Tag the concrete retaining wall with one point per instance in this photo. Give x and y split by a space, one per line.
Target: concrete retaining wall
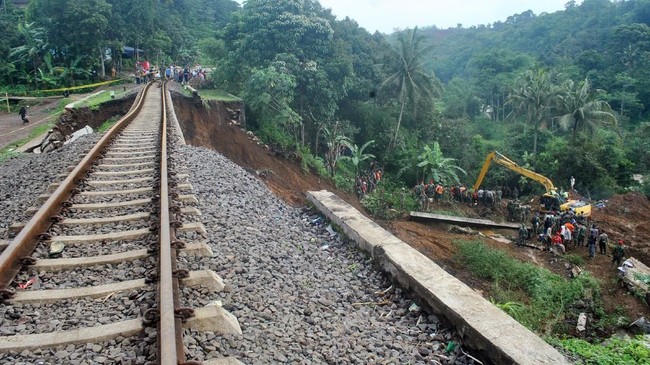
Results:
482 325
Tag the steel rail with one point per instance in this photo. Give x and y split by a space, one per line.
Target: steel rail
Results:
26 241
170 343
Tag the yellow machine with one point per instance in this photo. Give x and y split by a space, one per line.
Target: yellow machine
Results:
550 201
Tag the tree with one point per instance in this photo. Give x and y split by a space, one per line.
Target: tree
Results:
270 92
34 47
532 98
437 166
582 108
408 79
357 154
74 27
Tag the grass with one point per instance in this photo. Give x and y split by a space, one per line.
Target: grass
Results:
544 301
575 259
613 352
213 94
94 102
10 150
107 124
60 105
547 297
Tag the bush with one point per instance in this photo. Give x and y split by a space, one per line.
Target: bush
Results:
546 295
389 201
273 135
575 259
309 162
614 352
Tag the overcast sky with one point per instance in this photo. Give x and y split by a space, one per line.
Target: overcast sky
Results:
386 15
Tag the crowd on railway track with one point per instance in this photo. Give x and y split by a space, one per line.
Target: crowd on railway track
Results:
145 72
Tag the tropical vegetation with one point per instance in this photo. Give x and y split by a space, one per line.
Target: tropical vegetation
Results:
565 94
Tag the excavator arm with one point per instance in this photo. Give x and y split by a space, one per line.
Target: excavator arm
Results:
502 160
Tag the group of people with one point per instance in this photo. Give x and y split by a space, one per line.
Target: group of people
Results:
366 182
427 193
559 230
146 72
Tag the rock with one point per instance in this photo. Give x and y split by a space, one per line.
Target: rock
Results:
640 327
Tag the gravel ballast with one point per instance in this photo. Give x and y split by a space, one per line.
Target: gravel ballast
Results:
301 292
24 177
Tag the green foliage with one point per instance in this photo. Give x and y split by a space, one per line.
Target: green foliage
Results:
311 163
299 69
644 278
408 81
357 154
389 201
599 163
215 94
614 351
575 259
270 92
272 135
438 167
107 124
8 153
547 294
582 107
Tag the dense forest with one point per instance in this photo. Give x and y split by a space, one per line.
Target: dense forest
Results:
565 94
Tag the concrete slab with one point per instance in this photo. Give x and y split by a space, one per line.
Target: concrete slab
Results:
463 221
484 327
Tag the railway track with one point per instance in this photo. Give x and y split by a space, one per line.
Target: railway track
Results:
93 277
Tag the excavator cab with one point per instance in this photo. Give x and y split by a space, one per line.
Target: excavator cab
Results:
550 203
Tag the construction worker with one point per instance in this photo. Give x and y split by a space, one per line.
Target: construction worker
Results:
523 235
580 237
602 243
618 254
420 194
535 223
593 236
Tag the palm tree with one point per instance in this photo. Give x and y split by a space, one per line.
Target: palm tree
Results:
35 45
532 98
357 154
408 80
437 166
582 108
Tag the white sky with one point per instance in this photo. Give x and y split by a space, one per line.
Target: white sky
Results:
387 15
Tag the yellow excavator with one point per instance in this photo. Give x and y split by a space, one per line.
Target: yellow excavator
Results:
550 201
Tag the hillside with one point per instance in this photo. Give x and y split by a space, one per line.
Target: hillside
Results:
623 217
